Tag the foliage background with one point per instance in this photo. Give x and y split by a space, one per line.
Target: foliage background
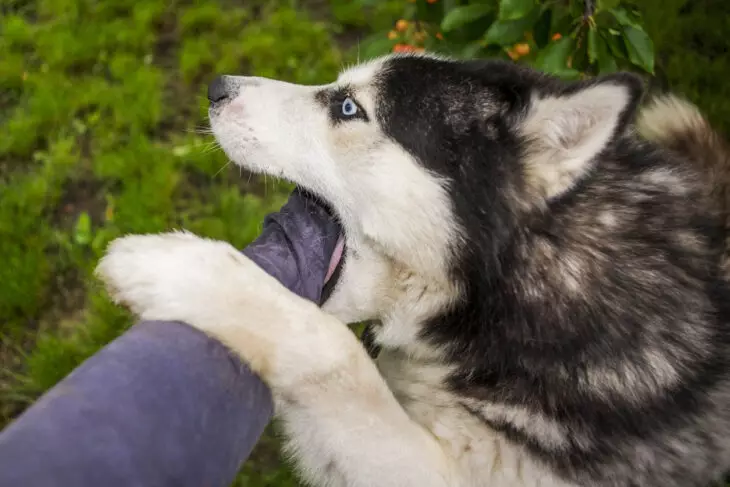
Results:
102 132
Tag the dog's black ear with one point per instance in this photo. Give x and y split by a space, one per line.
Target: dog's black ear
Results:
565 131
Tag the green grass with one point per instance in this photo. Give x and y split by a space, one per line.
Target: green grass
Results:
101 110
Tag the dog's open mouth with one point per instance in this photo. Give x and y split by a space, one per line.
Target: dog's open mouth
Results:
337 257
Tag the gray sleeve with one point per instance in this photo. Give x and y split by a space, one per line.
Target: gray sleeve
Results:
163 405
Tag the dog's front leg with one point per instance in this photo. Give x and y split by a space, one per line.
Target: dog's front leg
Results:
345 428
344 425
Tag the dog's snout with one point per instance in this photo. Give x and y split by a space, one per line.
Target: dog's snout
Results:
218 90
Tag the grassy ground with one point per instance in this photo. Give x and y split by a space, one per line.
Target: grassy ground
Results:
101 106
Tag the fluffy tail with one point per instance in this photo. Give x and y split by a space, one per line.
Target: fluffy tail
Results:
679 126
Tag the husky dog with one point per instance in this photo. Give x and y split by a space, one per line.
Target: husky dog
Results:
548 273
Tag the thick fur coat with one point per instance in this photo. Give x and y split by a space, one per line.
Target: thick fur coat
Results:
548 275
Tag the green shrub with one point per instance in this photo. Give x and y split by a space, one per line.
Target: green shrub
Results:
571 39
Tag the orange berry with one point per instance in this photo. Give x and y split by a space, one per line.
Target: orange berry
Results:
403 48
513 55
522 49
439 36
392 35
401 25
557 36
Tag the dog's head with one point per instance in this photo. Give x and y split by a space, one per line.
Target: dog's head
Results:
429 163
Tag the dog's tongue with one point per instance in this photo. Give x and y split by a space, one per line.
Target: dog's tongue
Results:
336 257
301 245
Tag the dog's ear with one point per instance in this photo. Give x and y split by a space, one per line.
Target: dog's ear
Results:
564 132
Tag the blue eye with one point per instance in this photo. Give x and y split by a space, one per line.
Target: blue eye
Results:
349 107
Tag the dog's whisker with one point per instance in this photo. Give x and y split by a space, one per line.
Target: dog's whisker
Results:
222 168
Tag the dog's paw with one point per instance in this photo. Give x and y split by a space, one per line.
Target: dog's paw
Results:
172 275
211 286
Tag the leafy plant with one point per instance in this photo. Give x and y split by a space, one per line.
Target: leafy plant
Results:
568 38
103 132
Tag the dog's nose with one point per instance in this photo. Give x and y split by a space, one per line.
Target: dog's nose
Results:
218 90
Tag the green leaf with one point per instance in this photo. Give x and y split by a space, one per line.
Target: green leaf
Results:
593 39
464 15
541 30
503 33
606 60
514 9
624 18
507 32
605 20
616 44
471 50
640 47
554 58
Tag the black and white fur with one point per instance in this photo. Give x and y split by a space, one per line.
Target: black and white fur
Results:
548 285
